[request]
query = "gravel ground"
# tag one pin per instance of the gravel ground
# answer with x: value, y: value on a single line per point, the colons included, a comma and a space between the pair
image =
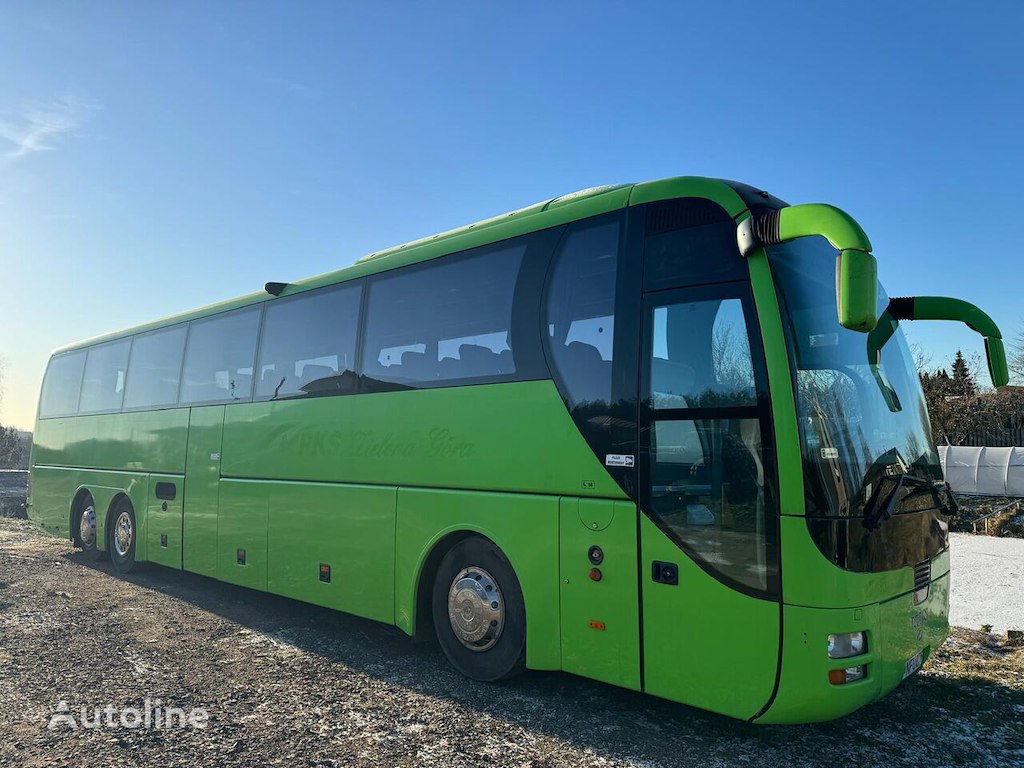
x: 288, y: 684
x: 987, y: 582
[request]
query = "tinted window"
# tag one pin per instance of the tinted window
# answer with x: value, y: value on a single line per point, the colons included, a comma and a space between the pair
x: 154, y: 368
x: 444, y: 322
x: 219, y: 358
x: 308, y: 345
x: 61, y: 385
x: 103, y: 382
x: 581, y: 312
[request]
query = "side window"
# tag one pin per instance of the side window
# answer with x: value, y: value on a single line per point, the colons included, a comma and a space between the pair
x: 219, y: 358
x: 706, y: 476
x: 446, y: 321
x: 580, y: 311
x: 308, y: 345
x: 154, y: 368
x: 103, y: 381
x: 61, y: 385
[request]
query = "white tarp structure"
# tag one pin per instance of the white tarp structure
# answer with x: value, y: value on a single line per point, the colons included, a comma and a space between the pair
x: 983, y: 471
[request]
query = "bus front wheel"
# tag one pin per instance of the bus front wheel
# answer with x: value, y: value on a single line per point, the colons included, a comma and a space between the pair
x: 121, y: 536
x: 479, y: 613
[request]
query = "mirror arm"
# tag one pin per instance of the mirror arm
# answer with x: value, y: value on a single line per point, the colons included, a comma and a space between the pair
x: 856, y: 267
x: 945, y: 308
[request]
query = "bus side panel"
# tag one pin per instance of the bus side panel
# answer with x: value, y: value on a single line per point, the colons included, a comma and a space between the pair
x: 523, y: 526
x: 144, y: 441
x: 599, y: 618
x: 510, y: 437
x: 810, y: 579
x: 334, y: 545
x: 242, y: 533
x: 53, y: 490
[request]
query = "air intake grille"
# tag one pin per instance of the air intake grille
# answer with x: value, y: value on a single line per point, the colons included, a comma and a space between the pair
x: 683, y: 213
x: 922, y: 575
x: 922, y: 580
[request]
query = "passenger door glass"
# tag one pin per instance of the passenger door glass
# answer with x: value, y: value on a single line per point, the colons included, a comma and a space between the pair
x: 705, y: 466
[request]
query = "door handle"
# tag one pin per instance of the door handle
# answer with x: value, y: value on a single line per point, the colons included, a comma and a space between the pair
x: 166, y: 491
x: 665, y: 573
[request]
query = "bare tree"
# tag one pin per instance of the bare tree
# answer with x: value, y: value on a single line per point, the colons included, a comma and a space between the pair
x: 1015, y: 358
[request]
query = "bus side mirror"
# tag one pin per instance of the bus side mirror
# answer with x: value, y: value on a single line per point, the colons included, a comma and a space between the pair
x: 856, y: 267
x: 946, y: 308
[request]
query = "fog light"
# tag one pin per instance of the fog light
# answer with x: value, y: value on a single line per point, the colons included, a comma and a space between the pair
x: 845, y: 645
x: 848, y: 675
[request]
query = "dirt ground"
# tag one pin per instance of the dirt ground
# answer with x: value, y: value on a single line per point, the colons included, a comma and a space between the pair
x: 288, y: 684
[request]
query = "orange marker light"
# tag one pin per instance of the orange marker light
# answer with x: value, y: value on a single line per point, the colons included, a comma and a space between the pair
x: 595, y: 574
x: 837, y: 676
x: 597, y: 625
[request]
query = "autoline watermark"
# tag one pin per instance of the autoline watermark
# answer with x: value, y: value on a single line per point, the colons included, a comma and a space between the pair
x: 153, y: 714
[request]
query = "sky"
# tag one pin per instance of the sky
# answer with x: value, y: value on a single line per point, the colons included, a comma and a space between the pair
x: 160, y: 156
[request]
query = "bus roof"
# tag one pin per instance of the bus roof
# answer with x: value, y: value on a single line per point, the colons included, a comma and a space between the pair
x: 548, y: 213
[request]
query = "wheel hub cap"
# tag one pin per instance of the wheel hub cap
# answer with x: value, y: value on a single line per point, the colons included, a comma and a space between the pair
x: 123, y: 534
x: 87, y: 527
x: 476, y: 610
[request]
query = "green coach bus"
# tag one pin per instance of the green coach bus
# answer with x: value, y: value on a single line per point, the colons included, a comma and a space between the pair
x: 665, y: 435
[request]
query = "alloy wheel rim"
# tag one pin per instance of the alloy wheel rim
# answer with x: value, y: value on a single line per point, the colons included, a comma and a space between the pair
x: 123, y: 533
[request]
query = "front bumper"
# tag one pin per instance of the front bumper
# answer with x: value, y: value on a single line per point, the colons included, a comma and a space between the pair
x: 897, y: 630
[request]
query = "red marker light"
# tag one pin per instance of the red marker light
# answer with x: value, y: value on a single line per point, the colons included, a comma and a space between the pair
x: 597, y: 625
x: 595, y: 574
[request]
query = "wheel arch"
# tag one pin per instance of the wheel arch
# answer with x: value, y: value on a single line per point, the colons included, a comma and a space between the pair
x: 426, y: 573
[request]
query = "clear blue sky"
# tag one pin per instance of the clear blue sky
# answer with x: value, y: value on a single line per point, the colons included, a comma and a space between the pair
x: 159, y: 156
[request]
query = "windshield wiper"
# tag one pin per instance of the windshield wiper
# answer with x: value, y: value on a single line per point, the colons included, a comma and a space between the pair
x: 878, y: 513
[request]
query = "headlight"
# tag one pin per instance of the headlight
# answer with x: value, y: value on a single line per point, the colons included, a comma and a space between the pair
x: 845, y: 645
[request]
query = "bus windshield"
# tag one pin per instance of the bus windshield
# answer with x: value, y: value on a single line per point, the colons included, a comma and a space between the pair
x: 861, y: 423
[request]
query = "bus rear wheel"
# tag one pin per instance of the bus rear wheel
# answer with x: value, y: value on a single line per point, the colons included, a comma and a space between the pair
x: 121, y: 536
x: 479, y: 613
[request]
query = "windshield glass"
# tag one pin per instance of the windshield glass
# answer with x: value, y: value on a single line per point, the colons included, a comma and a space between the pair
x: 861, y: 424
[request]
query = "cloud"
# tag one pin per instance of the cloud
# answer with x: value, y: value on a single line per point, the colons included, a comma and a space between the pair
x: 293, y: 86
x: 40, y: 125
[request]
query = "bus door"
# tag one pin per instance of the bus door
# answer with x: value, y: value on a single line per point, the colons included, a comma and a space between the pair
x: 708, y: 570
x: 202, y: 489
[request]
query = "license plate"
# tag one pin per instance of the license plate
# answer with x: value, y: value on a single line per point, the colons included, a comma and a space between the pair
x: 912, y: 665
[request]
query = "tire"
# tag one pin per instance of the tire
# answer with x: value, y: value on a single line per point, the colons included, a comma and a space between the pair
x: 479, y: 613
x: 83, y: 530
x: 122, y: 533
